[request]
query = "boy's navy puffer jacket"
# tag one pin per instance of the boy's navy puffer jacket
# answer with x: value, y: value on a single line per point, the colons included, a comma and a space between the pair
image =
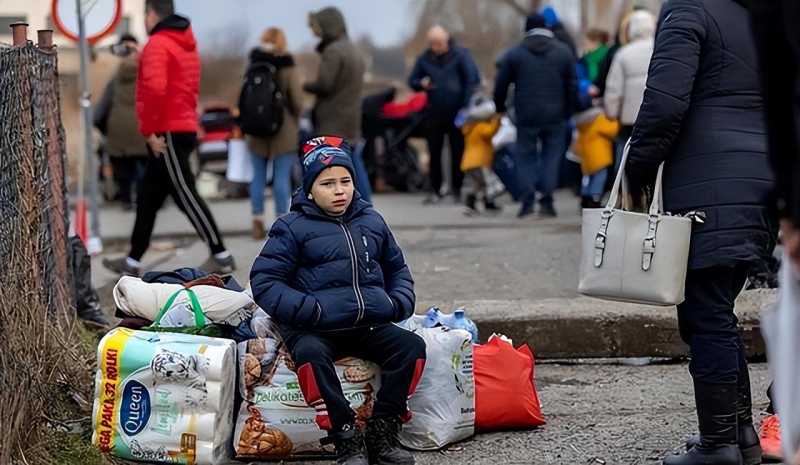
x: 321, y: 273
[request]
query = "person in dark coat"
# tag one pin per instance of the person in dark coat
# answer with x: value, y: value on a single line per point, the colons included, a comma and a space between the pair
x: 543, y: 72
x: 115, y: 117
x: 449, y: 75
x: 702, y: 116
x: 338, y: 87
x: 334, y: 279
x: 778, y: 39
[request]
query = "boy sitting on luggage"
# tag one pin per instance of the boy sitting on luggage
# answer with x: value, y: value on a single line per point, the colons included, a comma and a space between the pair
x: 334, y: 279
x: 480, y: 123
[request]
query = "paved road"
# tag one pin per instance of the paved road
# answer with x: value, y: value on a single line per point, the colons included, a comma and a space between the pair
x: 453, y: 257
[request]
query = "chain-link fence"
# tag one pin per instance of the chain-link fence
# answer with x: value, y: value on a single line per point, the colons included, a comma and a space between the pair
x: 44, y: 374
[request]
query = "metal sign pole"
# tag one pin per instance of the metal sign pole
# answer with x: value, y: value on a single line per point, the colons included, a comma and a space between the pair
x: 94, y: 244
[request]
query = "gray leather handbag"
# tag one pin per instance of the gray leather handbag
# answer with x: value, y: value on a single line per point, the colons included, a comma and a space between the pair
x: 634, y: 257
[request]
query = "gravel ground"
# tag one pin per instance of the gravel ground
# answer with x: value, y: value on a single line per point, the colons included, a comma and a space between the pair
x: 597, y: 414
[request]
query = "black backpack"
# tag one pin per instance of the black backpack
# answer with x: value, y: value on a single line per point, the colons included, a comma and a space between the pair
x: 261, y: 102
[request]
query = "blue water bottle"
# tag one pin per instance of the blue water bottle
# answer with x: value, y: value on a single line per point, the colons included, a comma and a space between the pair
x: 431, y: 318
x: 460, y: 321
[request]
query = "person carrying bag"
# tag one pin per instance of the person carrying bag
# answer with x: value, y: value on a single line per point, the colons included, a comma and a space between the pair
x: 634, y: 257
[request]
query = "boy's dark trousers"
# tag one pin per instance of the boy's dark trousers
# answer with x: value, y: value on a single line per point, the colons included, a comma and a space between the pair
x: 399, y: 353
x: 170, y: 174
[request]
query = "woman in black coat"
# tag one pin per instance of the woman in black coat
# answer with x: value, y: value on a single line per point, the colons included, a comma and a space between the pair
x: 702, y: 114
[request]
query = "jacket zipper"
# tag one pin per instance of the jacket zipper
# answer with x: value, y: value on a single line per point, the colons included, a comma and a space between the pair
x: 354, y: 263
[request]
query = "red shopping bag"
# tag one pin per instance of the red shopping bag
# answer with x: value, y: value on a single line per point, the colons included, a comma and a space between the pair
x: 505, y: 392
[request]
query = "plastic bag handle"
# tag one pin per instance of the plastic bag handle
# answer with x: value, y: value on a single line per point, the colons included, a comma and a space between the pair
x: 199, y: 316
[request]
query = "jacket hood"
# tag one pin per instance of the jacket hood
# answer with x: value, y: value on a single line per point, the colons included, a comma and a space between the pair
x: 331, y: 22
x: 539, y: 41
x: 301, y: 203
x: 178, y: 29
x: 259, y: 55
x: 641, y: 25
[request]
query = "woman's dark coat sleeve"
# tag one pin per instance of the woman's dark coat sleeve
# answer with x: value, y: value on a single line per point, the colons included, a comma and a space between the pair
x: 670, y: 81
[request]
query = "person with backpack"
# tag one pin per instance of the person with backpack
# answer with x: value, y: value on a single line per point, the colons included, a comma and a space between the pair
x: 334, y: 280
x: 167, y: 89
x: 269, y: 109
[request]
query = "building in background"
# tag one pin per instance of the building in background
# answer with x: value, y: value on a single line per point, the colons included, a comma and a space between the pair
x: 37, y: 13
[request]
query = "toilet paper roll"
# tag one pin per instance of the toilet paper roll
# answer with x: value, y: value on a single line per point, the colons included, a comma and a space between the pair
x: 221, y: 357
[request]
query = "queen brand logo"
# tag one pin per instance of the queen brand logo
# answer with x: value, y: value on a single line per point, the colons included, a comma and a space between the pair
x: 135, y: 410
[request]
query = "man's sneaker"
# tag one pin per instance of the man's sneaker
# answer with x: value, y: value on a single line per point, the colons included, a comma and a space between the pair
x: 349, y: 445
x: 492, y: 207
x: 220, y: 266
x: 121, y: 267
x: 527, y: 208
x: 433, y: 199
x: 547, y: 211
x: 382, y: 443
x: 770, y: 436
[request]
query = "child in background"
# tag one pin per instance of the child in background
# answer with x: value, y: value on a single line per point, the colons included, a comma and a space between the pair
x: 334, y: 279
x: 480, y: 123
x: 595, y: 147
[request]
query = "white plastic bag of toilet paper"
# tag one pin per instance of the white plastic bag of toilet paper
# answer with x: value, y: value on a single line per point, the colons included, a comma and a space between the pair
x: 144, y: 300
x: 162, y: 397
x: 443, y: 406
x: 275, y: 421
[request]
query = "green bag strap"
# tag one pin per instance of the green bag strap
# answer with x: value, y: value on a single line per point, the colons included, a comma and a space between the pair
x: 199, y: 316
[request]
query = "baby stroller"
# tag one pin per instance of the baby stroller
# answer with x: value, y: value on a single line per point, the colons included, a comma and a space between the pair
x: 387, y: 127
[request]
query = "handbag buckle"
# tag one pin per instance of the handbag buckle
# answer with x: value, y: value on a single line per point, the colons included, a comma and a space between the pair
x: 599, y: 248
x: 649, y: 244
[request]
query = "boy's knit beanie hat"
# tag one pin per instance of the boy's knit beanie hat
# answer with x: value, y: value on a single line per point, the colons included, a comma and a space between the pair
x: 323, y: 152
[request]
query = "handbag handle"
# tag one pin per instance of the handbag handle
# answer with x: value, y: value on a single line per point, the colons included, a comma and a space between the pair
x: 656, y: 209
x: 621, y: 183
x: 199, y: 316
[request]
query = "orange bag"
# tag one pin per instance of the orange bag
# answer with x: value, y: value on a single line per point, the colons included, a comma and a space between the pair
x: 505, y: 392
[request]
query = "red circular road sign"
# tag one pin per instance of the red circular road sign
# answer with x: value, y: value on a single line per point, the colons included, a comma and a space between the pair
x: 101, y: 17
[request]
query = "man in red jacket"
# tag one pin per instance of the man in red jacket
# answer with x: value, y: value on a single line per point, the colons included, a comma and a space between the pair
x: 167, y: 89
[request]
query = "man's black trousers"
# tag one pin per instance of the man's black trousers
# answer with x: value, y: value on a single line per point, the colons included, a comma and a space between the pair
x: 170, y: 174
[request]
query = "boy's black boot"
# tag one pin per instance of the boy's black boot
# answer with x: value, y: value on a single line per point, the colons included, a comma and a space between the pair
x: 383, y: 445
x: 349, y: 444
x: 716, y: 414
